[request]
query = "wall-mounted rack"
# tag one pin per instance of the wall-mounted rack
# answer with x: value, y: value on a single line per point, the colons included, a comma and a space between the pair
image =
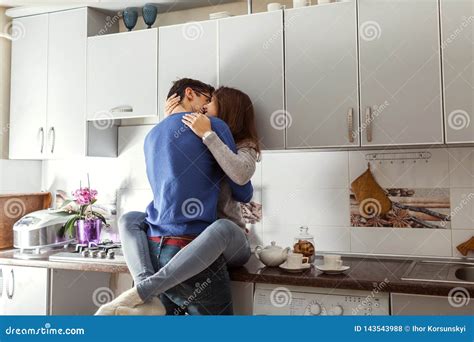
x: 398, y: 156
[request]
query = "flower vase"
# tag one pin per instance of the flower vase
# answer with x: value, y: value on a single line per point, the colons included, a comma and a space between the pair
x: 88, y: 230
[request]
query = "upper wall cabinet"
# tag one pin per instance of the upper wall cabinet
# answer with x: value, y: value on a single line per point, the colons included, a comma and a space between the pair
x: 321, y: 76
x: 122, y: 75
x: 400, y: 70
x: 251, y: 59
x: 458, y: 66
x: 199, y: 61
x: 48, y: 87
x: 66, y: 133
x: 29, y: 82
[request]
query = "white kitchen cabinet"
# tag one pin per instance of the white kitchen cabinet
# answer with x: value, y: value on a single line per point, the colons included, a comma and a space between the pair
x: 66, y: 121
x: 457, y: 36
x: 122, y: 75
x: 29, y: 82
x: 196, y: 58
x: 48, y: 87
x: 321, y: 76
x: 251, y: 60
x: 400, y: 72
x: 25, y: 291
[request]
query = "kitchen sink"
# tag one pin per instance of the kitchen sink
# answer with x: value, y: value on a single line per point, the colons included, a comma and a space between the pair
x: 465, y: 273
x: 440, y: 271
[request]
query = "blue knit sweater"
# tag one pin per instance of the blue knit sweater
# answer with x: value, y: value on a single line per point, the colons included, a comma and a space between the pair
x: 185, y: 178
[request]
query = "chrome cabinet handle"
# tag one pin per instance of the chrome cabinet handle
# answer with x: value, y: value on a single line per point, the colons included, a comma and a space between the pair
x: 368, y: 121
x: 350, y: 124
x: 42, y: 138
x: 11, y: 285
x: 122, y: 109
x: 51, y: 130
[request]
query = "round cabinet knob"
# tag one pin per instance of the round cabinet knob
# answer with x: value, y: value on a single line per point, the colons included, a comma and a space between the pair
x: 315, y: 309
x: 338, y: 310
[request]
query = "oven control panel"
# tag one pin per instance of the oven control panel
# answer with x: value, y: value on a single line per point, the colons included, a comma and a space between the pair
x: 296, y: 301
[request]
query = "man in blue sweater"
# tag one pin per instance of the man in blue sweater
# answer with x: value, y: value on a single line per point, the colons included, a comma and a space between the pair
x: 185, y: 180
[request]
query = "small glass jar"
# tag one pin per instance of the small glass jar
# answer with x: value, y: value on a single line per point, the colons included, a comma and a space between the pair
x: 304, y: 244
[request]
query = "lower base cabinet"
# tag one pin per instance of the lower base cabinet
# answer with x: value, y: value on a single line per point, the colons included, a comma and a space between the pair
x: 42, y: 291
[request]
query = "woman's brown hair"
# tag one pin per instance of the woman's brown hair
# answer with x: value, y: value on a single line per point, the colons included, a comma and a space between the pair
x: 235, y: 108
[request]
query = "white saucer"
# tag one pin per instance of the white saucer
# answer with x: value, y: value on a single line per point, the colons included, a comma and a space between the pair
x: 329, y: 270
x: 295, y: 270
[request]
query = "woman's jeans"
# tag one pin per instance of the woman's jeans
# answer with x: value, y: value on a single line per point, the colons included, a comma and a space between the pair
x: 194, y: 278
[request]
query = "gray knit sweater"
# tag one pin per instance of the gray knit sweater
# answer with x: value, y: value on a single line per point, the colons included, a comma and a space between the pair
x: 238, y: 167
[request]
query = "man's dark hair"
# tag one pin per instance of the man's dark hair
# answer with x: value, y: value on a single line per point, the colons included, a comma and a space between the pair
x: 180, y: 86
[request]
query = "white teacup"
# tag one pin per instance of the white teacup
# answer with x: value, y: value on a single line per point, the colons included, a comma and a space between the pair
x: 301, y: 3
x: 296, y: 260
x: 275, y: 6
x: 333, y: 261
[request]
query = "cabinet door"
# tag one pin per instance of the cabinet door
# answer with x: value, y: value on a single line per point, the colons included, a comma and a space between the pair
x: 122, y: 75
x: 400, y: 72
x: 21, y: 297
x: 199, y: 41
x: 251, y: 59
x: 67, y: 83
x: 29, y: 80
x: 321, y: 76
x: 457, y: 26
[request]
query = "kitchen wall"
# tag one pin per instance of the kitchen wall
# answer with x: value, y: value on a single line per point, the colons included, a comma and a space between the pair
x: 303, y: 188
x: 5, y: 47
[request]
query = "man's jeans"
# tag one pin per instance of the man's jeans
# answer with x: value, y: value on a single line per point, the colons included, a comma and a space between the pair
x: 207, y: 293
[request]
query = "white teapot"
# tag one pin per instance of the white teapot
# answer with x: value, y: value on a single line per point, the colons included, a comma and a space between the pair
x: 272, y: 255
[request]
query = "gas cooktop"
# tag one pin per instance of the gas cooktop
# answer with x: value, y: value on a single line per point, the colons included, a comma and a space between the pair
x: 104, y: 253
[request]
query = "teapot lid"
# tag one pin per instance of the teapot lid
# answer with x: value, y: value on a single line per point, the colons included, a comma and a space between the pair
x: 273, y: 246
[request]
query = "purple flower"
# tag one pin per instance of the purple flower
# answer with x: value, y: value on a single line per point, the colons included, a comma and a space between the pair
x: 84, y: 196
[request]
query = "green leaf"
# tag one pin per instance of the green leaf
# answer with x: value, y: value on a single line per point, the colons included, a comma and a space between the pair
x: 69, y: 226
x: 99, y: 216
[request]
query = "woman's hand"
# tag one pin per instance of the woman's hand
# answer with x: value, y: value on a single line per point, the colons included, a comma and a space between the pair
x: 199, y: 123
x: 171, y: 103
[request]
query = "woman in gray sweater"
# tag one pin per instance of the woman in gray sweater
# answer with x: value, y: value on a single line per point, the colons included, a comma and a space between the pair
x: 226, y: 236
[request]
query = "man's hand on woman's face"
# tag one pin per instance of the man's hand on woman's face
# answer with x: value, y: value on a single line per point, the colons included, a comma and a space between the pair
x: 199, y: 123
x: 171, y: 103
